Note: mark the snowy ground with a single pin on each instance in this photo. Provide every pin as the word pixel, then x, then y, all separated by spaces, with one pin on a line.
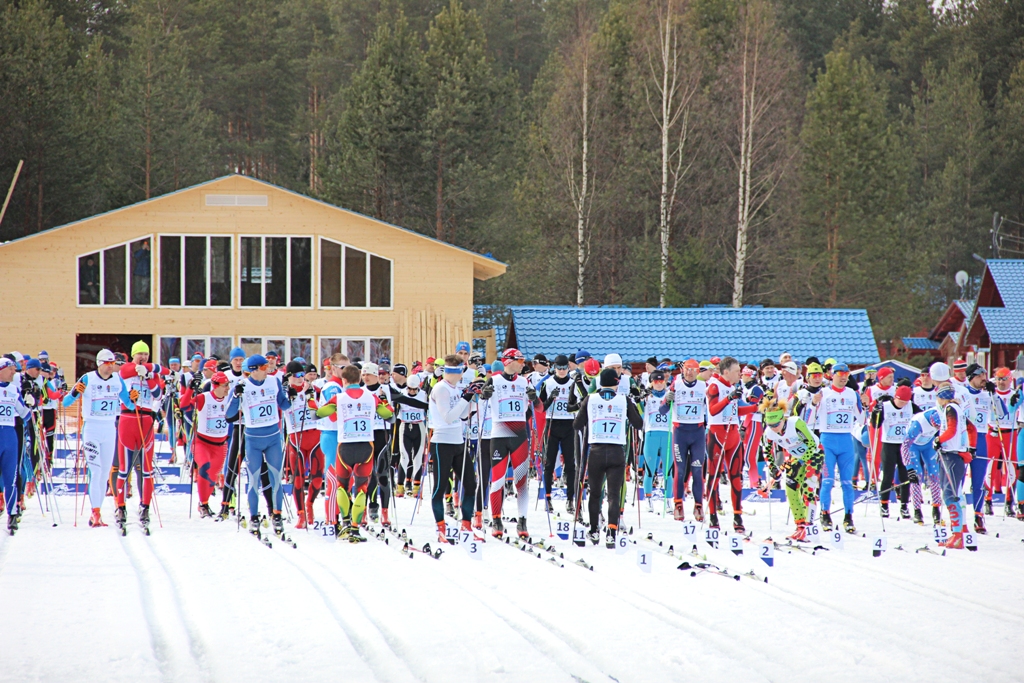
pixel 199 601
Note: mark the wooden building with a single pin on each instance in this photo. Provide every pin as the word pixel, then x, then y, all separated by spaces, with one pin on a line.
pixel 237 261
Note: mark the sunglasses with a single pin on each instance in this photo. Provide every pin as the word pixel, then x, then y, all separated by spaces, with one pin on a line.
pixel 561 367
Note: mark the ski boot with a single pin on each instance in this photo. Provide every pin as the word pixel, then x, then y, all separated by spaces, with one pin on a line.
pixel 30 489
pixel 96 520
pixel 885 511
pixel 399 491
pixel 954 542
pixel 144 518
pixel 848 526
pixel 12 524
pixel 225 512
pixel 449 507
pixel 1020 511
pixel 442 535
pixel 988 506
pixel 374 512
pixel 737 523
pixel 918 517
pixel 254 526
pixel 713 520
pixel 698 512
pixel 979 524
pixel 594 536
pixel 205 511
pixel 826 521
pixel 570 507
pixel 547 505
pixel 478 520
pixel 120 516
pixel 355 536
pixel 609 537
pixel 301 522
pixel 521 528
pixel 384 521
pixel 497 528
pixel 904 511
pixel 801 532
pixel 677 511
pixel 277 523
pixel 1008 507
pixel 936 515
pixel 465 525
pixel 415 491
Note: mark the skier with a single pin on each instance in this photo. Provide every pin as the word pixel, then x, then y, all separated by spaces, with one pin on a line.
pixel 801 458
pixel 260 400
pixel 1000 441
pixel 891 418
pixel 689 438
pixel 135 429
pixel 210 440
pixel 954 457
pixel 329 435
pixel 837 409
pixel 354 408
pixel 725 407
pixel 605 414
pixel 380 482
pixel 510 410
pixel 657 430
pixel 448 456
pixel 236 440
pixel 305 460
pixel 11 406
pixel 975 398
pixel 918 453
pixel 554 395
pixel 411 404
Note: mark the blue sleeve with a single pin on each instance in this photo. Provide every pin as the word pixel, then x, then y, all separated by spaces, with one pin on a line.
pixel 233 407
pixel 282 398
pixel 125 398
pixel 71 398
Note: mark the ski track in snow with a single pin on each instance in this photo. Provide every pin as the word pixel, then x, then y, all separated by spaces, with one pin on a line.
pixel 178 650
pixel 202 602
pixel 376 649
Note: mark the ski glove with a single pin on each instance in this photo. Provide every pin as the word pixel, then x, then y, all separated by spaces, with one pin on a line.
pixel 912 476
pixel 487 391
pixel 133 395
pixel 239 390
pixel 79 388
pixel 531 394
pixel 292 393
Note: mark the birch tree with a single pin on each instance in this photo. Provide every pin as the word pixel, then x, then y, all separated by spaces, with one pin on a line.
pixel 762 74
pixel 673 80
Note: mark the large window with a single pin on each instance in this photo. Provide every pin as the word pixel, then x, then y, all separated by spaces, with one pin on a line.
pixel 286 348
pixel 185 347
pixel 195 270
pixel 353 278
pixel 120 275
pixel 356 348
pixel 276 271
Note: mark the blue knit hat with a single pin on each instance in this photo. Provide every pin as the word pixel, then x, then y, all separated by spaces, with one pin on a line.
pixel 236 352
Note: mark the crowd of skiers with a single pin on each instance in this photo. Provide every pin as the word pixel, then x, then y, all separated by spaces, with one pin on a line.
pixel 467 434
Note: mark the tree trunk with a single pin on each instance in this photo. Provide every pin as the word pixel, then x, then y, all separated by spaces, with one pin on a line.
pixel 439 228
pixel 743 186
pixel 581 247
pixel 666 112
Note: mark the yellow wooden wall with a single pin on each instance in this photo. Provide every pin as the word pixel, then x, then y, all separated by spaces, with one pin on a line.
pixel 432 292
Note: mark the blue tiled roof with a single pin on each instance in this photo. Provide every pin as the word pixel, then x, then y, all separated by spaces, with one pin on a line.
pixel 954 338
pixel 1008 274
pixel 920 343
pixel 966 306
pixel 1005 325
pixel 749 334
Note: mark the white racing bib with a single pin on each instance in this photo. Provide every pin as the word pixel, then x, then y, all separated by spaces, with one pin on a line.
pixel 509 399
pixel 355 416
pixel 260 403
pixel 607 419
pixel 212 419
